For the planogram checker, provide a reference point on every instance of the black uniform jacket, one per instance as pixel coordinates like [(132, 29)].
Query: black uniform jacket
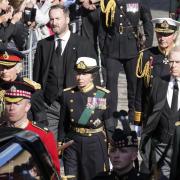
[(118, 40), (73, 105), (76, 47), (131, 175), (158, 68), (156, 103)]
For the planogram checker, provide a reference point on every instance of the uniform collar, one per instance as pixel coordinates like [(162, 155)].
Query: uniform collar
[(166, 52), (86, 89)]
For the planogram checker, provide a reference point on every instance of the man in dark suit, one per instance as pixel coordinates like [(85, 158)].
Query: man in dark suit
[(175, 163), (164, 104), (120, 42), (55, 59)]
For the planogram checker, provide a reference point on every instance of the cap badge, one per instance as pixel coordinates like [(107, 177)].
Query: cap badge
[(13, 88), (165, 24), (81, 65), (6, 55)]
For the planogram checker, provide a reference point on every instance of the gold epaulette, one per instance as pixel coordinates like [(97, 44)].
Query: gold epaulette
[(103, 89), (32, 83), (68, 89), (42, 128), (177, 123)]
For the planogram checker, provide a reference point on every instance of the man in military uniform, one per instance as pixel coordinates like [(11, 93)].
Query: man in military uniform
[(84, 119), (153, 62), (17, 104), (10, 68), (123, 151), (164, 105), (120, 41)]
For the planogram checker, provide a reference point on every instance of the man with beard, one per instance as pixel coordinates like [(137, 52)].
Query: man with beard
[(54, 62)]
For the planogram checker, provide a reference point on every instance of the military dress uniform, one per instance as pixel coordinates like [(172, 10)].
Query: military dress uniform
[(84, 119), (152, 63), (15, 92), (120, 139), (120, 43)]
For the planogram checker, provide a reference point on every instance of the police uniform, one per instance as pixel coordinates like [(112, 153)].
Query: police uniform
[(119, 43), (120, 139), (151, 63), (16, 91), (84, 117)]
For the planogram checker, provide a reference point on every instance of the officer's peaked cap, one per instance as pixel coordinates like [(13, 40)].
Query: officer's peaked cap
[(86, 65), (10, 57), (165, 25), (15, 91)]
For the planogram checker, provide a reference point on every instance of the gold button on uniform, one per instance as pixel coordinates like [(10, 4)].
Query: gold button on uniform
[(71, 110), (71, 100), (72, 91), (92, 112), (91, 121), (72, 120)]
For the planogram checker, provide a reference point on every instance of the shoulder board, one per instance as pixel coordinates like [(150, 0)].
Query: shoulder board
[(103, 89), (69, 88), (39, 126)]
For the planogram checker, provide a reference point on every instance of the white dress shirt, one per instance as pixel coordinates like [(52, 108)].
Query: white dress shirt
[(170, 91), (64, 40)]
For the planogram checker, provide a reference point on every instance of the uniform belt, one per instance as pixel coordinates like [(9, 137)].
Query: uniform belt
[(123, 28), (86, 131)]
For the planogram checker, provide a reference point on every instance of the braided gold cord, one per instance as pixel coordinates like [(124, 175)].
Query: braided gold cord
[(109, 9), (143, 73)]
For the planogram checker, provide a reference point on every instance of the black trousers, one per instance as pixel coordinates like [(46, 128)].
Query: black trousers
[(86, 157), (112, 69)]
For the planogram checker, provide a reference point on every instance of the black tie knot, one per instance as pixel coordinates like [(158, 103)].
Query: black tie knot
[(59, 46)]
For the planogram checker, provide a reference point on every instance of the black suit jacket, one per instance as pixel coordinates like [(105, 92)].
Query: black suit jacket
[(76, 47), (156, 104)]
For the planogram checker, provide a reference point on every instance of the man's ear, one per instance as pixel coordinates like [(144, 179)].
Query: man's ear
[(134, 155), (28, 107)]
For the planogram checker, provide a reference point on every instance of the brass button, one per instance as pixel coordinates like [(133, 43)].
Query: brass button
[(120, 24), (72, 91), (71, 110), (72, 120), (94, 94), (92, 112), (71, 100), (121, 7), (89, 134), (121, 15), (91, 121)]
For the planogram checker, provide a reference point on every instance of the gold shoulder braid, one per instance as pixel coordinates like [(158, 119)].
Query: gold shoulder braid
[(146, 72), (2, 104), (36, 85), (109, 9)]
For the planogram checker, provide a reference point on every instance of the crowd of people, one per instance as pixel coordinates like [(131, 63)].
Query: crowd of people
[(66, 103)]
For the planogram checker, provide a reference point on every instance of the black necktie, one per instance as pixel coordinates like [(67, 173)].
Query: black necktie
[(174, 104), (59, 47)]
